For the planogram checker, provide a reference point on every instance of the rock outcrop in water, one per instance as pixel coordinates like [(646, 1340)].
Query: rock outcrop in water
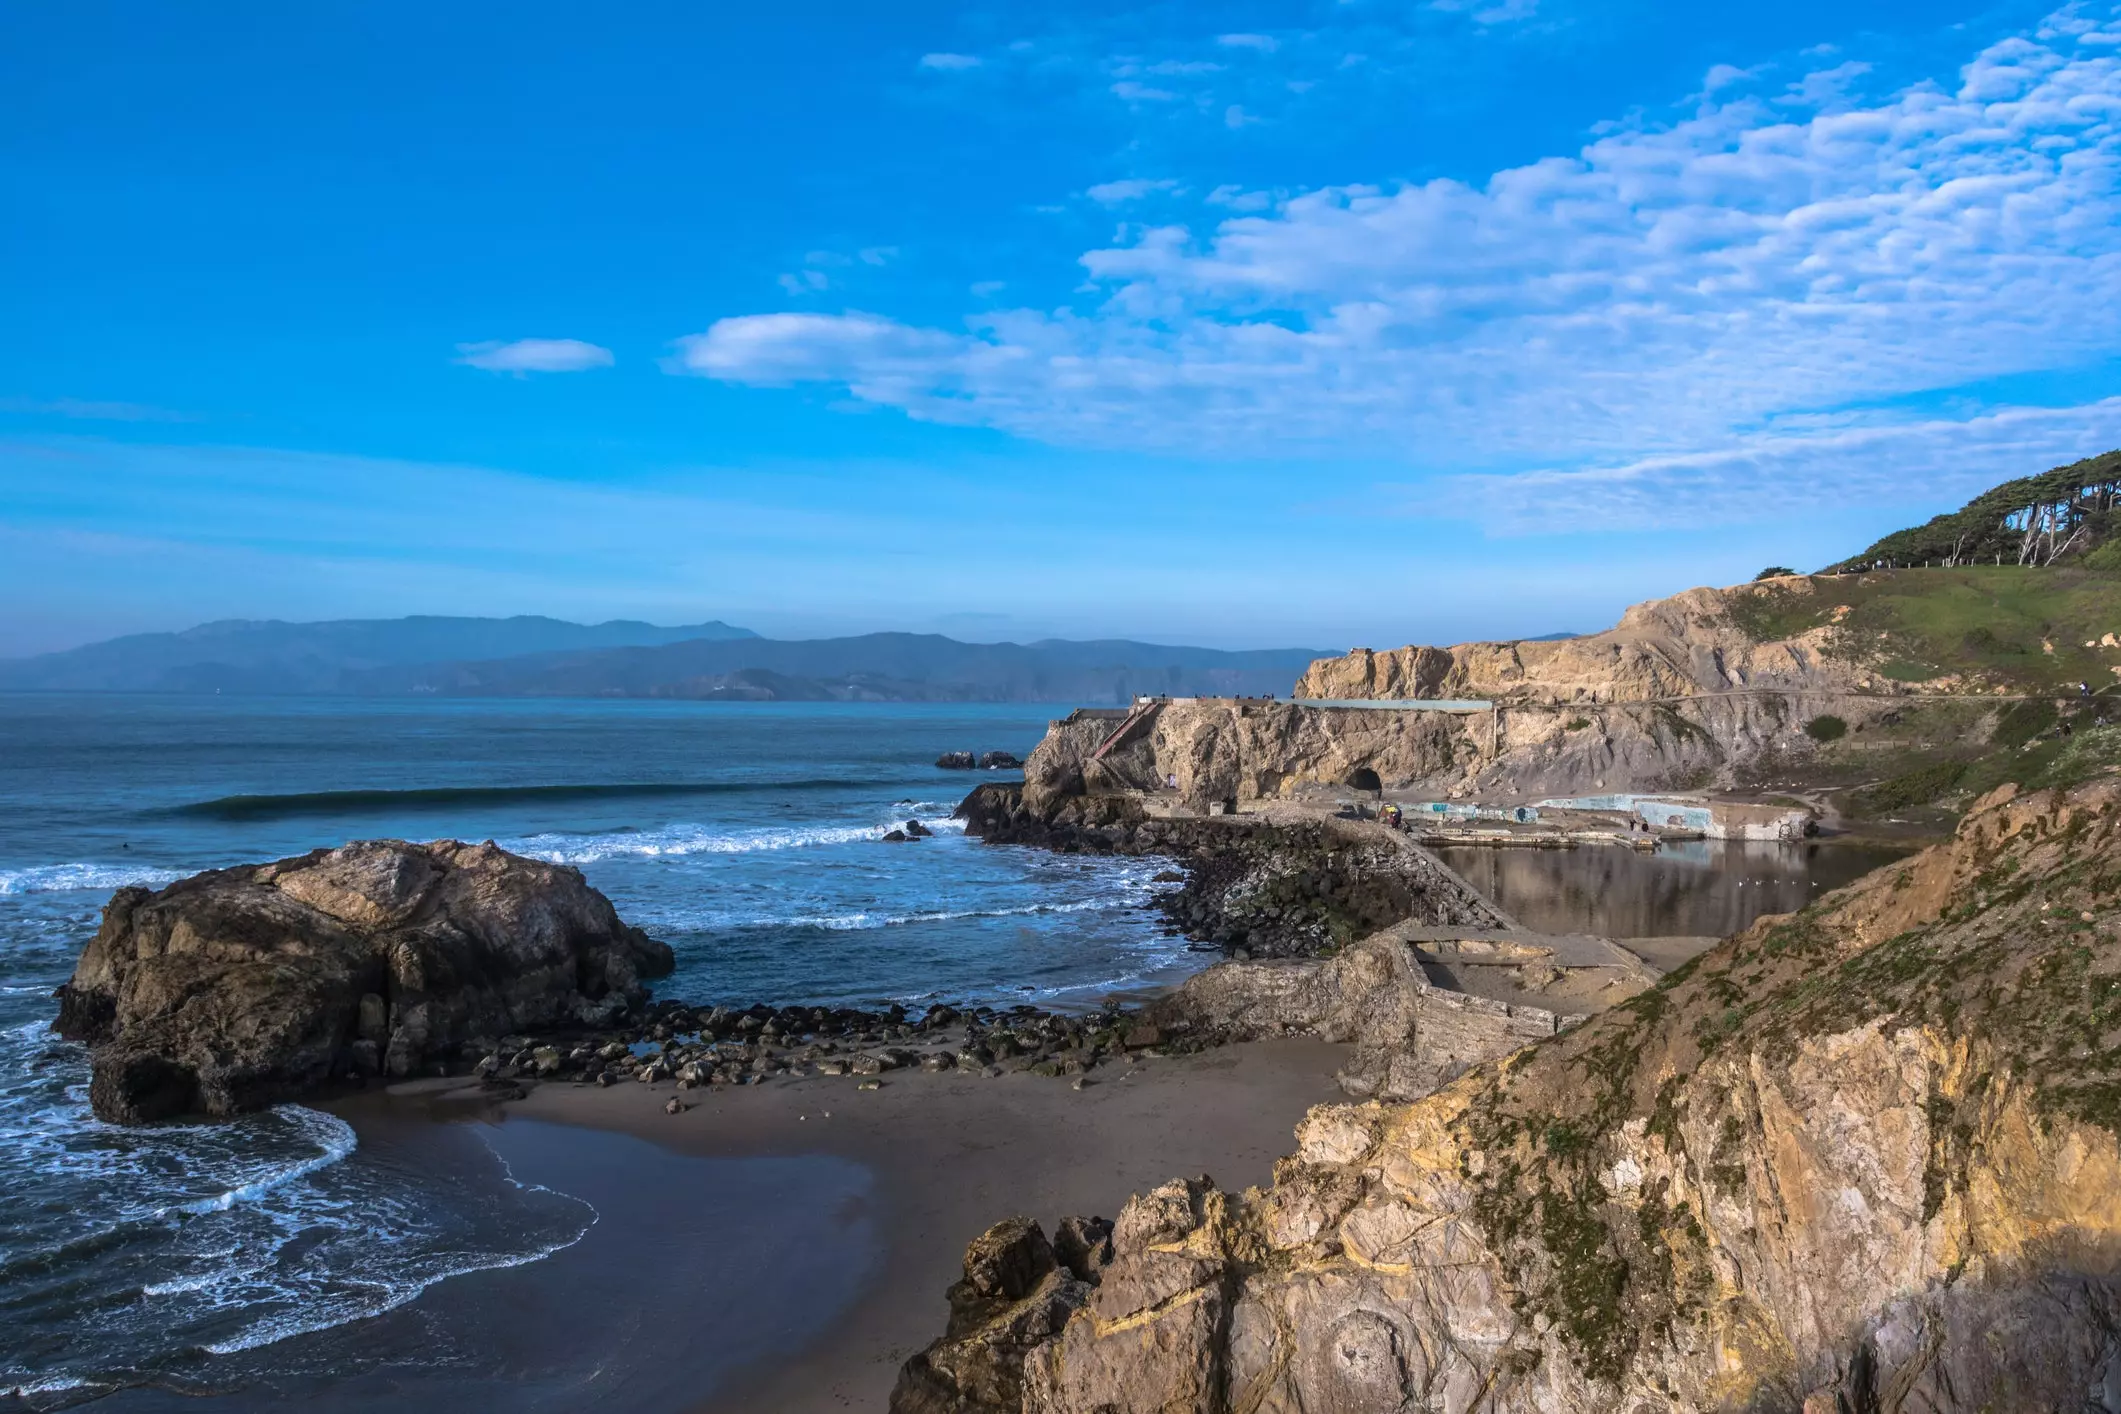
[(241, 987), (1266, 887), (1861, 1158)]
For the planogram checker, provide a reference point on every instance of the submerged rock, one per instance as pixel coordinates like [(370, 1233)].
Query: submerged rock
[(238, 988)]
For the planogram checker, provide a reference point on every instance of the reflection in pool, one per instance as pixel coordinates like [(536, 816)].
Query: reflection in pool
[(1692, 889)]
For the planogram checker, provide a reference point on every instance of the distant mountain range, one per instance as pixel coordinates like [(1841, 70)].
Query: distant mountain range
[(537, 657)]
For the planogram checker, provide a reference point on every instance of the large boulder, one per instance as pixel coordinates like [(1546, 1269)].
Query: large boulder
[(242, 987)]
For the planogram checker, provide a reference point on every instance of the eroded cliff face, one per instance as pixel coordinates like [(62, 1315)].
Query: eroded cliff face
[(1860, 1158), (1195, 753), (1689, 644)]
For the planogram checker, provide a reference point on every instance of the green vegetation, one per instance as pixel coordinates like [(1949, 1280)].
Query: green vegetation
[(2012, 628), (1774, 572), (2035, 520), (2024, 965), (1826, 728)]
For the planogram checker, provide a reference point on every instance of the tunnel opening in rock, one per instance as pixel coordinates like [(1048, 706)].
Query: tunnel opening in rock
[(1363, 778)]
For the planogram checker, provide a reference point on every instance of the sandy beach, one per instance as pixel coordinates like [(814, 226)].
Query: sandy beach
[(782, 1246), (950, 1155)]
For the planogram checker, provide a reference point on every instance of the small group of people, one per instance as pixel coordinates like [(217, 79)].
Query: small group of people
[(1393, 817)]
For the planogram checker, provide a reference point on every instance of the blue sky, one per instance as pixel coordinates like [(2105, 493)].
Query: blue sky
[(1304, 323)]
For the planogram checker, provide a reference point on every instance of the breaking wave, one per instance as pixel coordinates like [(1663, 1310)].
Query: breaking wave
[(66, 878), (678, 841), (445, 798)]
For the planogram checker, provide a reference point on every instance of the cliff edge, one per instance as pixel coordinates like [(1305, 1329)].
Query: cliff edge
[(1863, 1157)]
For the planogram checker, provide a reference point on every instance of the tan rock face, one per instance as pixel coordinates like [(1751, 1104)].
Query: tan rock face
[(1198, 753), (1409, 1037), (241, 987), (1862, 1158), (1678, 647)]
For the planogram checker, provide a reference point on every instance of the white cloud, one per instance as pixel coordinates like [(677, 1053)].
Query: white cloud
[(1780, 475), (1486, 13), (950, 62), (521, 356), (1235, 117), (1134, 92), (1263, 43), (89, 410), (1130, 189), (1721, 282)]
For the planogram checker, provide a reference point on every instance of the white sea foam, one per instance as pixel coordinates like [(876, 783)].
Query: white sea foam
[(67, 878), (334, 1139), (678, 841), (847, 922)]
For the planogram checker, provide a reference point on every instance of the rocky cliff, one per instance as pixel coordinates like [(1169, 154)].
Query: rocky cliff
[(1862, 1158), (1705, 640), (241, 987), (1894, 683), (1192, 755)]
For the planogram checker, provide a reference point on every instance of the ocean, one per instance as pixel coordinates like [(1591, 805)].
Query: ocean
[(746, 835)]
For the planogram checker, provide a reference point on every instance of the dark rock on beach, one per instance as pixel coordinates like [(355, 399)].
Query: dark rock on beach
[(239, 988)]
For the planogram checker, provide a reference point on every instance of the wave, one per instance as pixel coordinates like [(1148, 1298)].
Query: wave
[(334, 1139), (851, 922), (63, 878), (677, 841), (438, 798)]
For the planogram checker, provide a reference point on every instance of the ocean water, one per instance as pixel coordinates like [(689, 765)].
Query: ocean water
[(744, 834)]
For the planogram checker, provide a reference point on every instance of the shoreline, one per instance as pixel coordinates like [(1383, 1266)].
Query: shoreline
[(947, 1155), (952, 1154)]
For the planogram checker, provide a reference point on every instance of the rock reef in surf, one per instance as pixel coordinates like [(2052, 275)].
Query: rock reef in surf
[(239, 988)]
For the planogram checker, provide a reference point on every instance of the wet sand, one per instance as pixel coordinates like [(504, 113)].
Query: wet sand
[(775, 1247), (951, 1154)]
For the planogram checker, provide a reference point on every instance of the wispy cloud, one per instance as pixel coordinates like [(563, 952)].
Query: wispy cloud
[(1262, 43), (89, 410), (1135, 92), (950, 61), (1489, 12), (525, 356), (1130, 189), (1708, 283), (1774, 475)]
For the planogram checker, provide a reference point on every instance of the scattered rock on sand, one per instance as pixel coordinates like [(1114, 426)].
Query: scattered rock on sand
[(238, 988)]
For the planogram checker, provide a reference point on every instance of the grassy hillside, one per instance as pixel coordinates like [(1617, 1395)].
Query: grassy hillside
[(2011, 627), (1995, 658)]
